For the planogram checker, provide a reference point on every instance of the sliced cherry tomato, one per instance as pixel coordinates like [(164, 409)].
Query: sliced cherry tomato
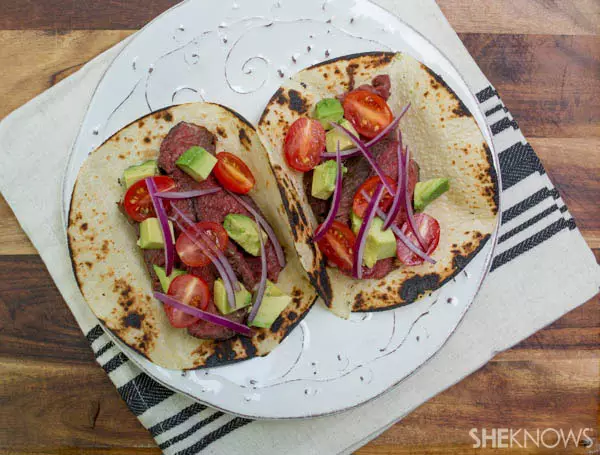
[(338, 245), (360, 204), (192, 252), (233, 173), (429, 229), (137, 201), (192, 291), (368, 112), (304, 143)]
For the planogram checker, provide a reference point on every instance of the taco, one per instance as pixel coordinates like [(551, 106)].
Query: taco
[(389, 185), (180, 243)]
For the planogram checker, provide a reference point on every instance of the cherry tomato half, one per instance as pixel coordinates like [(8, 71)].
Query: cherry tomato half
[(192, 252), (233, 173), (429, 229), (137, 201), (304, 143), (360, 204), (338, 245), (192, 291), (368, 112)]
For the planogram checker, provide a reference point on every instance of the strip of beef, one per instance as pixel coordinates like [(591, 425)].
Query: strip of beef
[(208, 330), (154, 257)]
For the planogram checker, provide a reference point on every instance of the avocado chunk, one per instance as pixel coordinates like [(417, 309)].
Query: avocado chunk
[(428, 191), (151, 236), (244, 231), (139, 172), (379, 244), (333, 136), (323, 182), (329, 110), (242, 298), (197, 163), (273, 303), (165, 281)]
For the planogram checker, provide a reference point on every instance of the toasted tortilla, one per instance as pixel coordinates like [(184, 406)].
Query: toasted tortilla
[(443, 138), (109, 266)]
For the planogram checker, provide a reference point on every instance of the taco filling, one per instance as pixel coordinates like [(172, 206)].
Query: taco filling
[(362, 185), (212, 257)]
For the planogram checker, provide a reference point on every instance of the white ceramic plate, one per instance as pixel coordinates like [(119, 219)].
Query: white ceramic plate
[(237, 53)]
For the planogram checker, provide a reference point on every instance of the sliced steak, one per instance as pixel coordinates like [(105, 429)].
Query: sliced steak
[(380, 85), (242, 266)]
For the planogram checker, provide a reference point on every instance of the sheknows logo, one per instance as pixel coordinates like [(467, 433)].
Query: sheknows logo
[(550, 438)]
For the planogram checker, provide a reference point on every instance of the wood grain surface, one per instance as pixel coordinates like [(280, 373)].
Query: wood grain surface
[(544, 59)]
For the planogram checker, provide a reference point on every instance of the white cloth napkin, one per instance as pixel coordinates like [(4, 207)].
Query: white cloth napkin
[(542, 269)]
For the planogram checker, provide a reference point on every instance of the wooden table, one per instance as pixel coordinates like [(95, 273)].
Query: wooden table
[(543, 57)]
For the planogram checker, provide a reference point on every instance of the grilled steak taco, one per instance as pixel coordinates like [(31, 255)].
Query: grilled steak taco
[(180, 243), (389, 185)]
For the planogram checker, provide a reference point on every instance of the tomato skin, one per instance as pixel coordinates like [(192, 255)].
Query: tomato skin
[(304, 143), (338, 246), (360, 204), (233, 173), (137, 202), (368, 112), (190, 290), (429, 229), (192, 254)]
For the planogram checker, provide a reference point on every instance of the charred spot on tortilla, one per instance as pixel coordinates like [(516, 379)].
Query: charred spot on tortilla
[(147, 140), (168, 116), (320, 280), (460, 261), (297, 102), (221, 132), (292, 315), (249, 347), (417, 285), (460, 110), (280, 96), (133, 320), (494, 178), (244, 139)]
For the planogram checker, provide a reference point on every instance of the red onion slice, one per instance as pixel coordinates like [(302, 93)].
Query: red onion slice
[(208, 317), (337, 198), (161, 213), (266, 227), (383, 133), (408, 206), (187, 194), (402, 185), (188, 227), (403, 238), (361, 238), (368, 155), (262, 285)]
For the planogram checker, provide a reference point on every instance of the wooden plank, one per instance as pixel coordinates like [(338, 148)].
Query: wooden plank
[(570, 17), (549, 83), (567, 17), (33, 61)]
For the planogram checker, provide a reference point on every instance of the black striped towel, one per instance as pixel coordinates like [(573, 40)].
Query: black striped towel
[(541, 270)]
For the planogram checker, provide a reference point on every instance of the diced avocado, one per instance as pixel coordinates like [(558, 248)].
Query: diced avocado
[(242, 298), (274, 302), (323, 182), (151, 236), (136, 173), (244, 231), (197, 163), (333, 136), (380, 244), (428, 191), (329, 110), (165, 281)]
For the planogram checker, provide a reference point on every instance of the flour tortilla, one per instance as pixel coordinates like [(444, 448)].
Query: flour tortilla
[(443, 138), (109, 266)]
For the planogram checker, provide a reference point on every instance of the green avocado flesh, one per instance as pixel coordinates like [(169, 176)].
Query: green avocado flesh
[(329, 110), (428, 191), (323, 182), (335, 136), (197, 163), (242, 298), (165, 281), (151, 236), (274, 302), (139, 172), (379, 244), (244, 231)]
